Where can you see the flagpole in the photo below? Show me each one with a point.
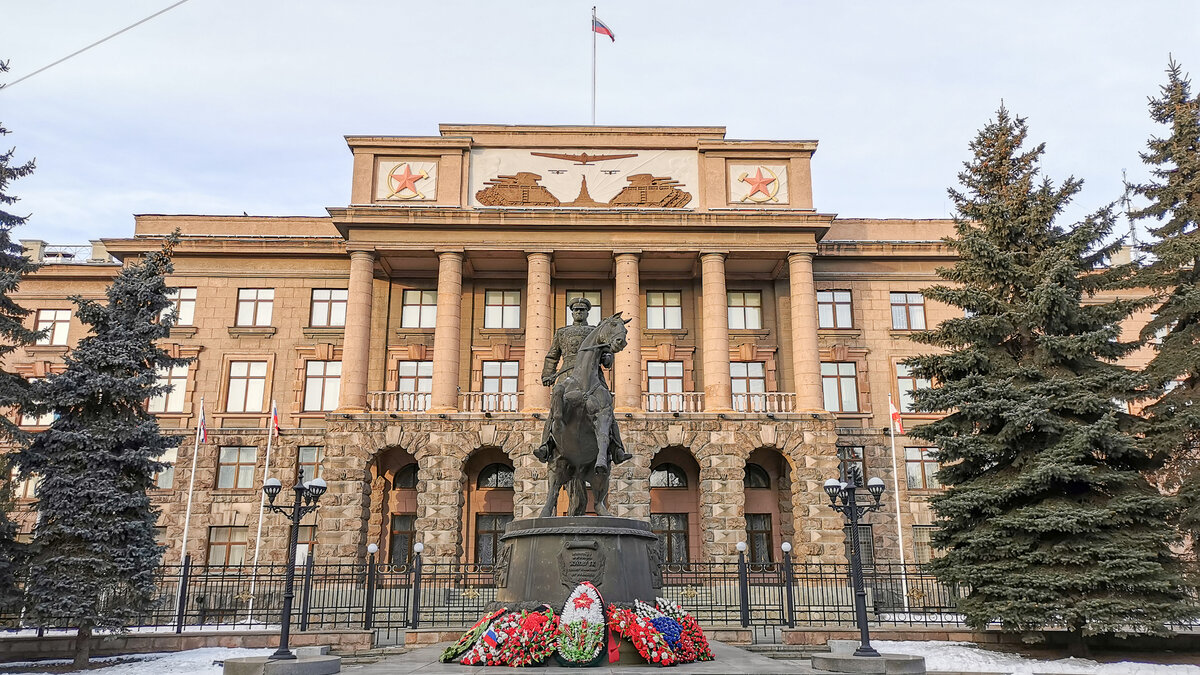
(593, 65)
(187, 518)
(896, 491)
(262, 505)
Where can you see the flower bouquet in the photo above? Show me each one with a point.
(533, 640)
(582, 631)
(641, 632)
(691, 639)
(470, 637)
(486, 650)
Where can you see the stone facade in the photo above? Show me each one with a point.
(727, 278)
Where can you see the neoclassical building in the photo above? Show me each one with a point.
(402, 338)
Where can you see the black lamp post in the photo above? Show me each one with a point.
(854, 511)
(305, 502)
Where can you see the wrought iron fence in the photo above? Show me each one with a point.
(389, 599)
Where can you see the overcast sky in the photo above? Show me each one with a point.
(224, 106)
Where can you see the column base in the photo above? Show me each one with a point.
(351, 410)
(441, 410)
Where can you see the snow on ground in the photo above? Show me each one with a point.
(951, 656)
(191, 662)
(966, 657)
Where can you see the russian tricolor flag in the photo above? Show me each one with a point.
(598, 26)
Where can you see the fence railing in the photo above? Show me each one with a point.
(765, 402)
(681, 402)
(398, 401)
(487, 401)
(390, 598)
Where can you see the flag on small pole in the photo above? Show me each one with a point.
(202, 428)
(274, 420)
(598, 28)
(897, 423)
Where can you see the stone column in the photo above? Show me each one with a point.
(447, 333)
(806, 354)
(356, 346)
(628, 363)
(718, 390)
(539, 329)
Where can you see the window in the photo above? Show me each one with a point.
(664, 310)
(496, 476)
(170, 401)
(923, 550)
(306, 543)
(183, 306)
(235, 467)
(406, 478)
(418, 309)
(55, 322)
(254, 306)
(839, 383)
(664, 378)
(24, 488)
(593, 317)
(745, 310)
(755, 477)
(308, 462)
(400, 540)
(833, 309)
(165, 479)
(668, 476)
(500, 377)
(758, 536)
(906, 383)
(38, 420)
(227, 545)
(921, 467)
(749, 379)
(322, 385)
(488, 528)
(672, 531)
(328, 308)
(247, 386)
(852, 461)
(414, 378)
(866, 544)
(908, 311)
(502, 309)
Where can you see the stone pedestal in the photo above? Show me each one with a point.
(302, 665)
(541, 560)
(884, 664)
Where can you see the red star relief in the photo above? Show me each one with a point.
(407, 180)
(758, 184)
(583, 602)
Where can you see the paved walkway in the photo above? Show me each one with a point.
(729, 661)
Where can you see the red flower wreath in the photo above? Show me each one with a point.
(533, 640)
(486, 651)
(645, 638)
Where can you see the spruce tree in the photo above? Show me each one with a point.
(14, 389)
(94, 553)
(1171, 428)
(1047, 518)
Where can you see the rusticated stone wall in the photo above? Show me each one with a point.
(441, 448)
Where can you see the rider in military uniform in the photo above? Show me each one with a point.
(566, 346)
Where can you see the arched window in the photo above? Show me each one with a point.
(668, 476)
(496, 476)
(756, 477)
(406, 477)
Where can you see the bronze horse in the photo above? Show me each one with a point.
(581, 416)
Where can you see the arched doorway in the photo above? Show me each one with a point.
(767, 483)
(675, 505)
(489, 504)
(394, 486)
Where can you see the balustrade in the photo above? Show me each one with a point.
(680, 402)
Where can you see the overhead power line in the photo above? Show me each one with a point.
(97, 42)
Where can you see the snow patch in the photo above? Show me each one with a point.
(966, 657)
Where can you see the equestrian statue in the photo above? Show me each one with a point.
(580, 440)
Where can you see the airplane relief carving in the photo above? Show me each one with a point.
(523, 189)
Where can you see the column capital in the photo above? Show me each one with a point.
(710, 254)
(635, 252)
(807, 254)
(363, 254)
(461, 253)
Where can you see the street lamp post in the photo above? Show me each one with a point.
(854, 511)
(305, 502)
